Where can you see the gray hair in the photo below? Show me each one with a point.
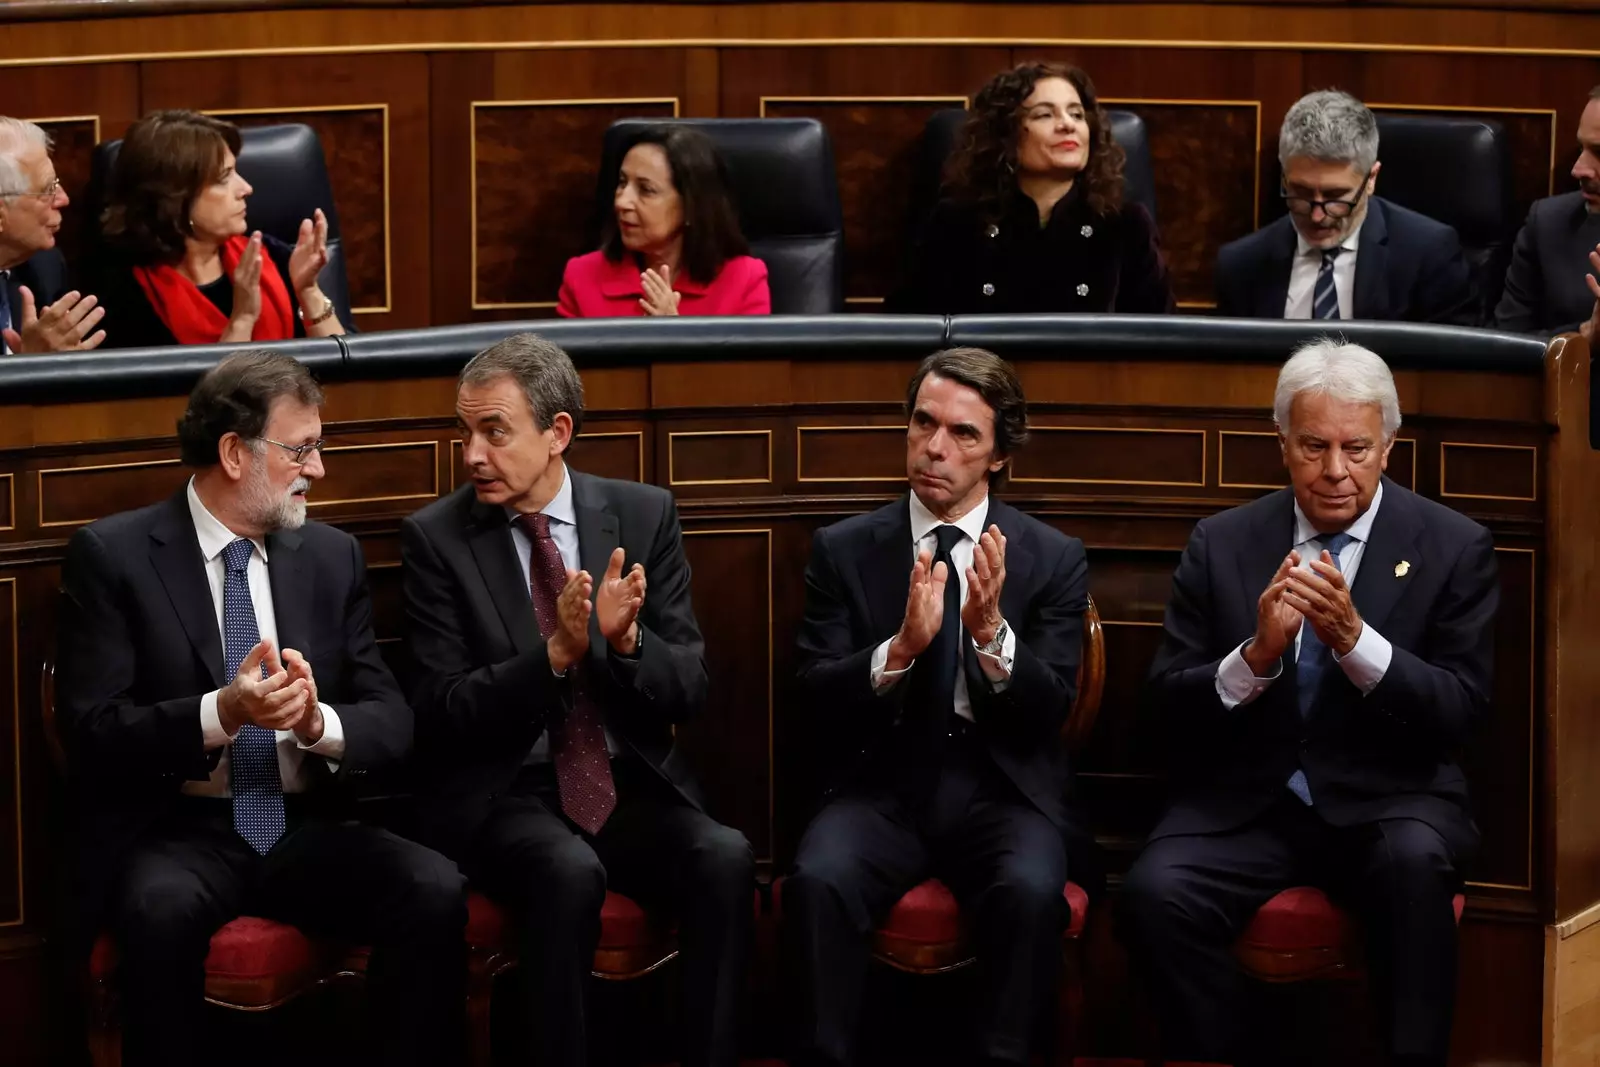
(1332, 127)
(544, 371)
(16, 137)
(1335, 368)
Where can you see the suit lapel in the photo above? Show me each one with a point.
(1370, 300)
(489, 536)
(598, 536)
(175, 555)
(292, 593)
(1394, 538)
(1272, 296)
(886, 567)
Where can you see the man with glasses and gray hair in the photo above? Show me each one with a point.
(222, 702)
(1342, 252)
(1327, 651)
(36, 315)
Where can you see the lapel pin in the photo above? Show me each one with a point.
(1402, 568)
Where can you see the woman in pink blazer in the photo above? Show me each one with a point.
(672, 245)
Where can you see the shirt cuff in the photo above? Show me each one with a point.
(884, 680)
(1237, 684)
(1366, 663)
(212, 735)
(331, 744)
(997, 668)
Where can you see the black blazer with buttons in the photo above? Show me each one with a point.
(965, 264)
(139, 645)
(1427, 582)
(482, 684)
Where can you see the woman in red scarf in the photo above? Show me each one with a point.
(183, 267)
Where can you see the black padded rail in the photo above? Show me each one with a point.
(1403, 345)
(442, 350)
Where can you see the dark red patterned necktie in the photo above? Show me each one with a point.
(578, 742)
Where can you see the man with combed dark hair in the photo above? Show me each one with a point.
(939, 654)
(1327, 651)
(220, 696)
(555, 651)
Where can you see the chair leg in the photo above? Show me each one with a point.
(480, 996)
(1069, 1006)
(105, 1029)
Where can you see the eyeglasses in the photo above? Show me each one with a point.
(299, 452)
(47, 194)
(1334, 209)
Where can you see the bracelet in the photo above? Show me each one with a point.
(327, 313)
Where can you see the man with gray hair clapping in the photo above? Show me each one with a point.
(35, 314)
(1328, 648)
(1341, 251)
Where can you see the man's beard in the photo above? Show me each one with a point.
(272, 512)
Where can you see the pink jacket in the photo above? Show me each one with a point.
(593, 287)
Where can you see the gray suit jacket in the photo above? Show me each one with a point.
(1545, 293)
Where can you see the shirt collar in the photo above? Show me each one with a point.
(560, 508)
(1351, 242)
(1359, 530)
(923, 521)
(213, 536)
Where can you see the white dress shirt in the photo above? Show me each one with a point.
(214, 537)
(1365, 664)
(924, 527)
(563, 516)
(1303, 276)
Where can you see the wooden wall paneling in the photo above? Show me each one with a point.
(730, 744)
(78, 107)
(517, 148)
(12, 909)
(76, 491)
(371, 113)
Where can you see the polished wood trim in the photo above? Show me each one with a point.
(388, 239)
(16, 747)
(378, 447)
(962, 101)
(11, 503)
(800, 445)
(672, 438)
(472, 178)
(1444, 481)
(137, 465)
(1255, 185)
(1199, 484)
(1222, 444)
(66, 118)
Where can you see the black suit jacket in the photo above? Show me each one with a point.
(139, 646)
(45, 275)
(856, 587)
(483, 687)
(1409, 268)
(1388, 754)
(1545, 293)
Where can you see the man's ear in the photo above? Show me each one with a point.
(230, 454)
(561, 433)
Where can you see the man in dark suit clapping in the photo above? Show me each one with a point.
(220, 696)
(1342, 252)
(556, 650)
(1328, 649)
(939, 655)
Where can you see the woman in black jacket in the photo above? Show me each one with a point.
(1032, 217)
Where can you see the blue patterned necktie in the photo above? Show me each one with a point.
(1314, 656)
(253, 755)
(1325, 298)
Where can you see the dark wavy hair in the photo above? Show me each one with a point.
(711, 234)
(236, 396)
(166, 161)
(983, 168)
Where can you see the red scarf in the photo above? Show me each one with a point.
(194, 320)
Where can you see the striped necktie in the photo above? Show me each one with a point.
(1325, 298)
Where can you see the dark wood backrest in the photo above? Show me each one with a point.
(1091, 682)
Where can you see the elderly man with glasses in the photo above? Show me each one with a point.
(1342, 252)
(36, 315)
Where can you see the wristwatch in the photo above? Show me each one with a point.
(997, 642)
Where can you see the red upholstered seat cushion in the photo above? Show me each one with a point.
(486, 922)
(623, 923)
(1303, 918)
(253, 962)
(928, 913)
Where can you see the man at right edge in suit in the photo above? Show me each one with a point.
(939, 654)
(1328, 649)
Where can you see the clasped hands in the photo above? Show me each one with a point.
(1319, 597)
(980, 612)
(285, 699)
(616, 607)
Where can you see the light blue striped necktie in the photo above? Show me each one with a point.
(1325, 298)
(1313, 657)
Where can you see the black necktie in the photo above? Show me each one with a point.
(942, 660)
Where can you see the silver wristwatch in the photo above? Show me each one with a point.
(997, 642)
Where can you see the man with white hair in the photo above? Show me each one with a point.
(1327, 651)
(36, 315)
(1341, 251)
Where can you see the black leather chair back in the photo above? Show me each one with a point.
(782, 177)
(285, 166)
(939, 140)
(1474, 196)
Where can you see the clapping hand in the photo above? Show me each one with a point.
(309, 728)
(980, 614)
(618, 603)
(924, 612)
(659, 298)
(570, 639)
(276, 702)
(62, 327)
